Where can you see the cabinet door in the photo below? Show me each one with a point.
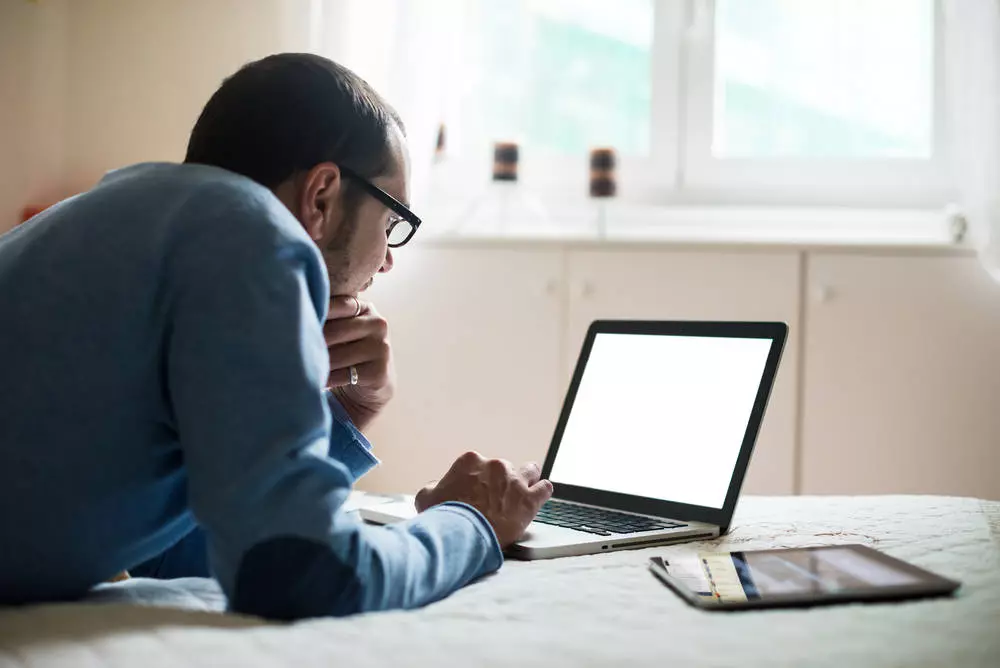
(476, 339)
(902, 376)
(695, 285)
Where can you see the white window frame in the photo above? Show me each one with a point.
(680, 170)
(857, 182)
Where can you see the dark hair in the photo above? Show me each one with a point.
(290, 112)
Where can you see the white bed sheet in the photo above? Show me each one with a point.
(599, 610)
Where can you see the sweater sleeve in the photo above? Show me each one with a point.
(268, 469)
(347, 444)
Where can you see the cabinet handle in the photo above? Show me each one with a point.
(587, 290)
(824, 294)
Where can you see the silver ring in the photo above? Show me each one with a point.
(354, 374)
(357, 310)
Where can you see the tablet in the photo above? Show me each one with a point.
(795, 577)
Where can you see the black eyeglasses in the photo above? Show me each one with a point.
(400, 228)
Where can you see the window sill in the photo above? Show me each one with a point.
(631, 224)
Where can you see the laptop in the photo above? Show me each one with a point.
(654, 438)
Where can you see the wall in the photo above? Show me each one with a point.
(32, 106)
(140, 72)
(92, 85)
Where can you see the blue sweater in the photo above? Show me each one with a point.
(162, 364)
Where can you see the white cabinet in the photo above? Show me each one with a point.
(896, 387)
(485, 339)
(476, 337)
(902, 376)
(699, 285)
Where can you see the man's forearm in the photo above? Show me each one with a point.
(362, 569)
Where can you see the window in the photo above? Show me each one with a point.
(558, 76)
(824, 79)
(706, 101)
(826, 101)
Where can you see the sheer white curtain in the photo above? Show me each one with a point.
(973, 78)
(406, 49)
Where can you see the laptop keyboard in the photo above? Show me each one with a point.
(598, 520)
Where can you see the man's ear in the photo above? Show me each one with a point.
(320, 199)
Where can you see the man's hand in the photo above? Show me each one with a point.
(508, 498)
(358, 338)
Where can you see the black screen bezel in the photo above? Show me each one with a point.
(777, 332)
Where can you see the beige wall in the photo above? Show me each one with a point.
(140, 72)
(92, 85)
(32, 104)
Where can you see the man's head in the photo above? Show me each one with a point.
(313, 132)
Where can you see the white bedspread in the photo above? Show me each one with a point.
(599, 610)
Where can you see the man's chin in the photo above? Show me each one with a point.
(351, 291)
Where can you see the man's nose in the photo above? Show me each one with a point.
(387, 265)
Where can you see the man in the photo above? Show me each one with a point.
(164, 349)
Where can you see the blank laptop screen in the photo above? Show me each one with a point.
(661, 416)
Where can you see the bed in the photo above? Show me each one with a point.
(596, 610)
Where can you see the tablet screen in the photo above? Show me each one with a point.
(734, 577)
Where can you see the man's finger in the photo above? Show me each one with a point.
(540, 492)
(355, 352)
(344, 330)
(346, 306)
(342, 377)
(531, 473)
